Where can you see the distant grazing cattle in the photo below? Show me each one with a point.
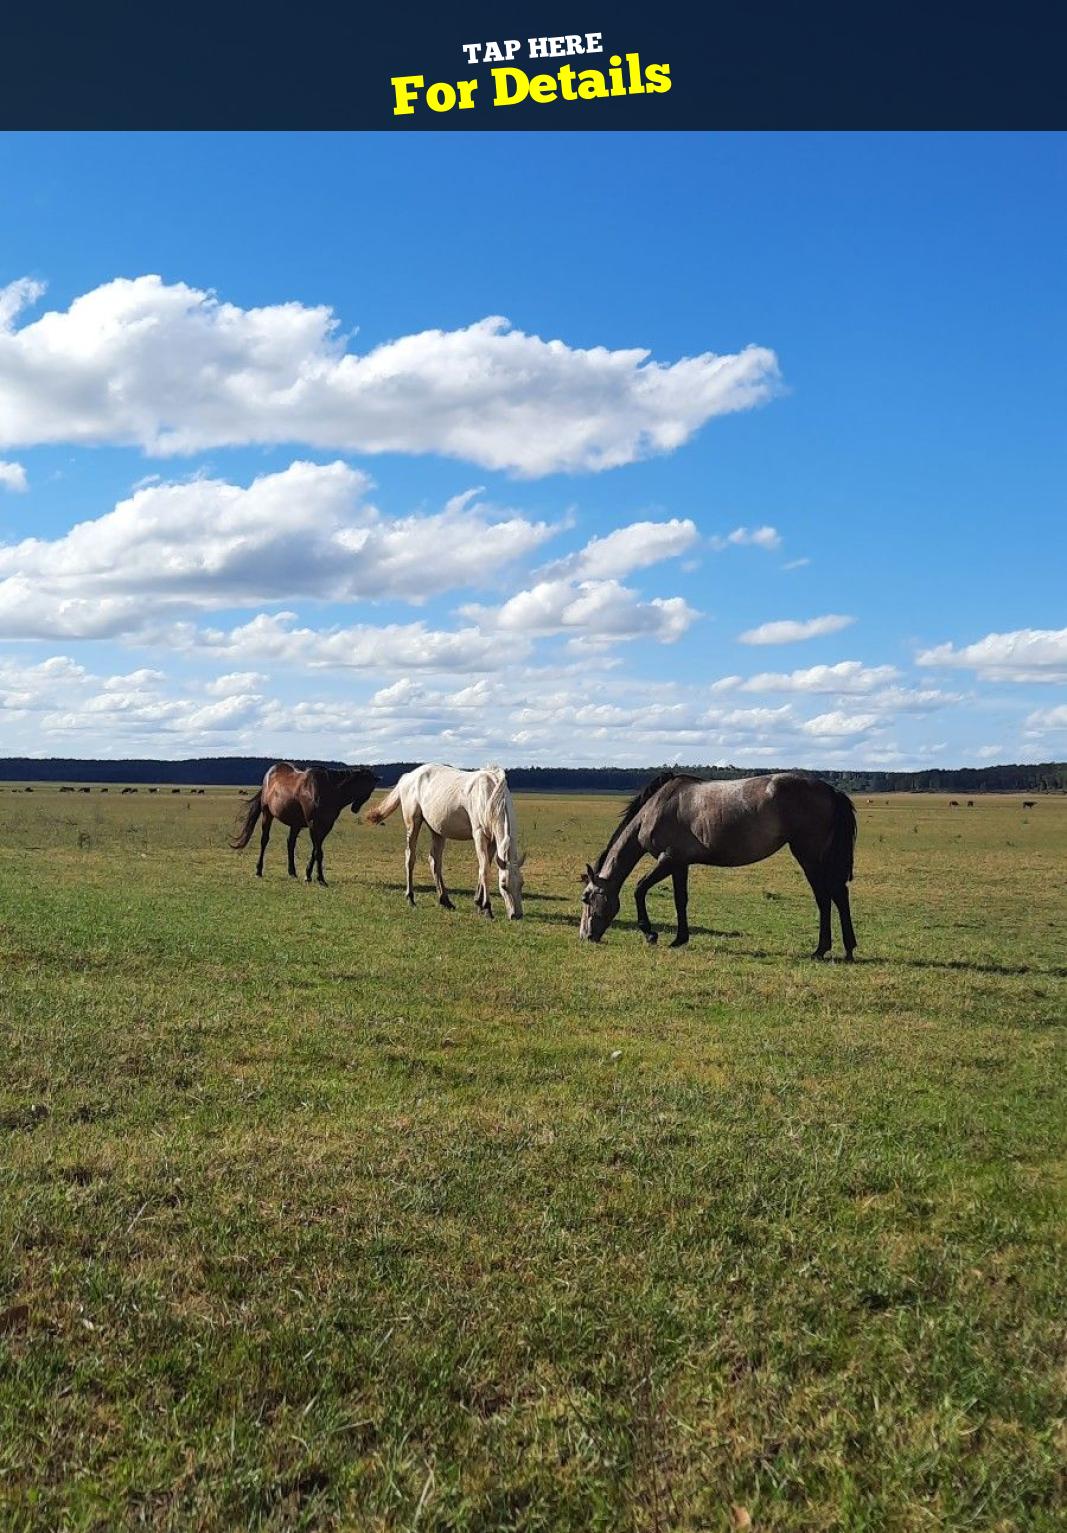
(1029, 803)
(953, 803)
(970, 803)
(103, 790)
(66, 790)
(175, 790)
(129, 790)
(151, 790)
(85, 790)
(29, 790)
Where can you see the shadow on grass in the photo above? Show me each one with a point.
(457, 891)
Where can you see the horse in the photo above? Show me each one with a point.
(460, 806)
(1029, 803)
(310, 799)
(681, 820)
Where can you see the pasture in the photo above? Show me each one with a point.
(321, 1212)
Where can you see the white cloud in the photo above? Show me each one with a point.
(274, 638)
(846, 676)
(1048, 718)
(626, 549)
(600, 610)
(171, 369)
(768, 538)
(12, 476)
(1025, 654)
(838, 723)
(307, 531)
(791, 631)
(233, 682)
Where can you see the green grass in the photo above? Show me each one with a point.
(319, 1212)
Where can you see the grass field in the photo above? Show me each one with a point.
(321, 1212)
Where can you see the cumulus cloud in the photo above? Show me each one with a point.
(768, 538)
(1047, 718)
(12, 476)
(275, 638)
(792, 631)
(838, 723)
(307, 531)
(172, 369)
(629, 548)
(1025, 654)
(594, 610)
(846, 676)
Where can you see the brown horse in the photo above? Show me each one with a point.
(680, 820)
(311, 800)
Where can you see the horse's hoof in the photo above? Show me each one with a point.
(819, 954)
(848, 957)
(651, 938)
(446, 904)
(411, 900)
(681, 941)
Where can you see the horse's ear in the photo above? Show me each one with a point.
(589, 874)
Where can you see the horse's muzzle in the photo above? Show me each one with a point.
(515, 916)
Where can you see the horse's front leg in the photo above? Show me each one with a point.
(485, 849)
(663, 869)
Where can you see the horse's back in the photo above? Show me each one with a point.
(440, 793)
(731, 823)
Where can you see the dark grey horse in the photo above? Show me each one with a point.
(680, 820)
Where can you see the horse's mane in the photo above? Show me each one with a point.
(497, 804)
(341, 774)
(638, 801)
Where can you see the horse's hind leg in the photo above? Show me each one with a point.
(437, 868)
(264, 837)
(294, 833)
(412, 828)
(848, 935)
(681, 905)
(819, 887)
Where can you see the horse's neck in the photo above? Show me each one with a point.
(622, 856)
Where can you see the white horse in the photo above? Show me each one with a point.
(460, 806)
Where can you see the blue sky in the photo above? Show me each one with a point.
(890, 450)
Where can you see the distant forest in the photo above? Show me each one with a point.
(244, 771)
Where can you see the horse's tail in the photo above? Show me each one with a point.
(383, 810)
(252, 814)
(838, 857)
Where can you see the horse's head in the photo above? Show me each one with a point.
(510, 879)
(360, 784)
(600, 906)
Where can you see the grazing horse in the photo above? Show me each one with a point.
(460, 806)
(680, 820)
(310, 799)
(1029, 803)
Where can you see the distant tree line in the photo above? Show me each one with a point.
(243, 771)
